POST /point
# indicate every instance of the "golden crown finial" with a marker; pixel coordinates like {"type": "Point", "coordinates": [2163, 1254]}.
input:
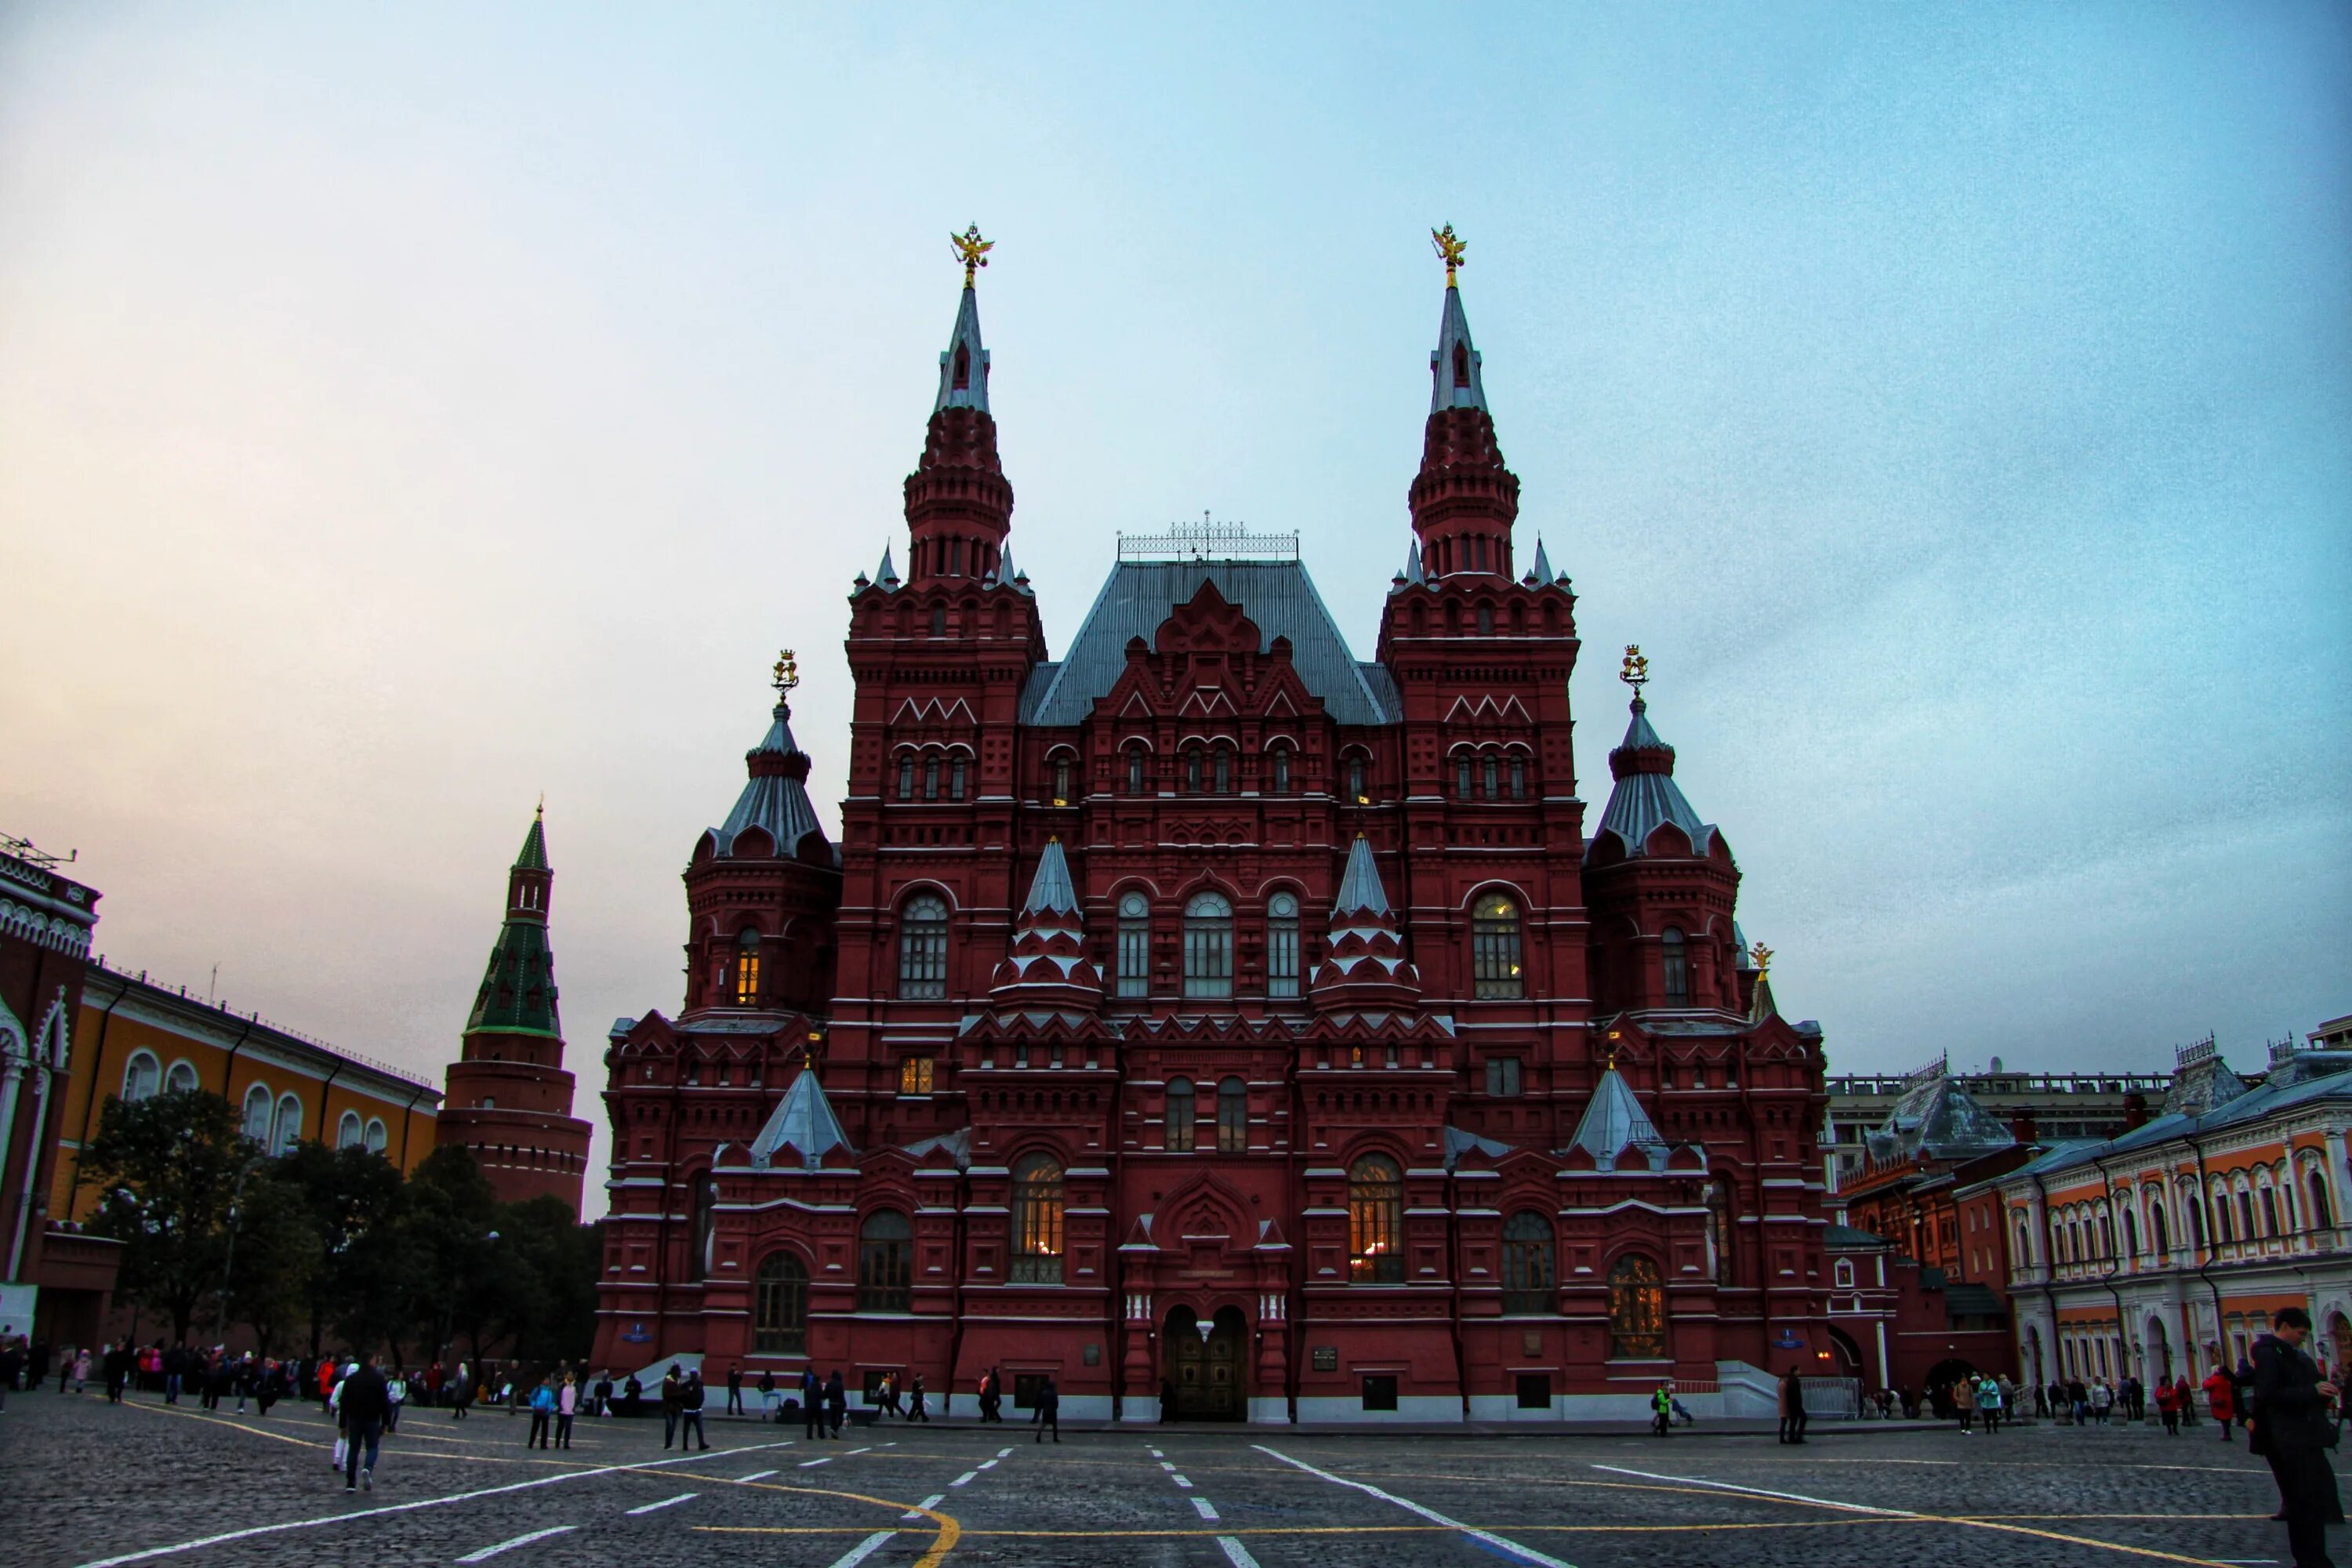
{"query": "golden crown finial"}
{"type": "Point", "coordinates": [787, 674]}
{"type": "Point", "coordinates": [1763, 958]}
{"type": "Point", "coordinates": [1635, 672]}
{"type": "Point", "coordinates": [1450, 248]}
{"type": "Point", "coordinates": [971, 251]}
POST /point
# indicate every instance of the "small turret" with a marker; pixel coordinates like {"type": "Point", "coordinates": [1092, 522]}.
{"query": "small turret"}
{"type": "Point", "coordinates": [1048, 966]}
{"type": "Point", "coordinates": [1364, 966]}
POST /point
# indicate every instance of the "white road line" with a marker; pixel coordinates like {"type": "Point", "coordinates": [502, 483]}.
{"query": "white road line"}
{"type": "Point", "coordinates": [487, 1553]}
{"type": "Point", "coordinates": [1002, 1453]}
{"type": "Point", "coordinates": [813, 1464]}
{"type": "Point", "coordinates": [988, 1464]}
{"type": "Point", "coordinates": [666, 1502]}
{"type": "Point", "coordinates": [964, 1479]}
{"type": "Point", "coordinates": [754, 1476]}
{"type": "Point", "coordinates": [864, 1549]}
{"type": "Point", "coordinates": [1208, 1511]}
{"type": "Point", "coordinates": [855, 1452]}
{"type": "Point", "coordinates": [1182, 1482]}
{"type": "Point", "coordinates": [1763, 1492]}
{"type": "Point", "coordinates": [931, 1501]}
{"type": "Point", "coordinates": [248, 1533]}
{"type": "Point", "coordinates": [1166, 1466]}
{"type": "Point", "coordinates": [1157, 1455]}
{"type": "Point", "coordinates": [1236, 1554]}
{"type": "Point", "coordinates": [1501, 1543]}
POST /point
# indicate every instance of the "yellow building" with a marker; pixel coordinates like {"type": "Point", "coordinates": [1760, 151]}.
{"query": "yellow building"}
{"type": "Point", "coordinates": [134, 1039]}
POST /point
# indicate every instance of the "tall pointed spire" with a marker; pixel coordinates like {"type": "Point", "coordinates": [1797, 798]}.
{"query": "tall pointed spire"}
{"type": "Point", "coordinates": [1614, 1121]}
{"type": "Point", "coordinates": [803, 1124]}
{"type": "Point", "coordinates": [963, 365]}
{"type": "Point", "coordinates": [958, 506]}
{"type": "Point", "coordinates": [517, 994]}
{"type": "Point", "coordinates": [1047, 966]}
{"type": "Point", "coordinates": [1453, 380]}
{"type": "Point", "coordinates": [1364, 966]}
{"type": "Point", "coordinates": [1646, 797]}
{"type": "Point", "coordinates": [1464, 500]}
{"type": "Point", "coordinates": [774, 799]}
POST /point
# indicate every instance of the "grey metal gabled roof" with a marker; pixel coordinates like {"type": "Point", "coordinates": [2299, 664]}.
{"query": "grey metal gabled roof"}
{"type": "Point", "coordinates": [803, 1122]}
{"type": "Point", "coordinates": [1646, 797]}
{"type": "Point", "coordinates": [1277, 595]}
{"type": "Point", "coordinates": [1936, 1118]}
{"type": "Point", "coordinates": [1613, 1120]}
{"type": "Point", "coordinates": [776, 802]}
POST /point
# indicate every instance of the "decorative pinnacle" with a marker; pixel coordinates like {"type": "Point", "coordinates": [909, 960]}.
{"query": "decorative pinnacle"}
{"type": "Point", "coordinates": [1762, 956]}
{"type": "Point", "coordinates": [1449, 250]}
{"type": "Point", "coordinates": [971, 251]}
{"type": "Point", "coordinates": [1636, 670]}
{"type": "Point", "coordinates": [787, 674]}
{"type": "Point", "coordinates": [543, 806]}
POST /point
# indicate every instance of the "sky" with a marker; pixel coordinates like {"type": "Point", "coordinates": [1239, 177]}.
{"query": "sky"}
{"type": "Point", "coordinates": [407, 410]}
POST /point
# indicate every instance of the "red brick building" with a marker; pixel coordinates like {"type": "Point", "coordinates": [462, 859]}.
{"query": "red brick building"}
{"type": "Point", "coordinates": [1208, 1011]}
{"type": "Point", "coordinates": [507, 1097]}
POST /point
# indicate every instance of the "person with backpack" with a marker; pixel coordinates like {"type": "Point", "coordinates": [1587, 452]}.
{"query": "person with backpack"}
{"type": "Point", "coordinates": [542, 1414]}
{"type": "Point", "coordinates": [689, 1412]}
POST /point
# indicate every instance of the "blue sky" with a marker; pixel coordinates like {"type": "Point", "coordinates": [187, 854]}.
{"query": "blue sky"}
{"type": "Point", "coordinates": [406, 410]}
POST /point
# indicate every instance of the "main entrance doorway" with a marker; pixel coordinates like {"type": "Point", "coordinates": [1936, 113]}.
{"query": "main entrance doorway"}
{"type": "Point", "coordinates": [1207, 1370]}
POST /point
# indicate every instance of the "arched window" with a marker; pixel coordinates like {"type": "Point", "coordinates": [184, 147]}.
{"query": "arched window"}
{"type": "Point", "coordinates": [1495, 947]}
{"type": "Point", "coordinates": [2246, 1231]}
{"type": "Point", "coordinates": [286, 1129]}
{"type": "Point", "coordinates": [2270, 1213]}
{"type": "Point", "coordinates": [1518, 778]}
{"type": "Point", "coordinates": [1181, 1111]}
{"type": "Point", "coordinates": [1461, 363]}
{"type": "Point", "coordinates": [257, 1103]}
{"type": "Point", "coordinates": [348, 1132]}
{"type": "Point", "coordinates": [938, 622]}
{"type": "Point", "coordinates": [962, 367]}
{"type": "Point", "coordinates": [779, 1305]}
{"type": "Point", "coordinates": [2131, 1235]}
{"type": "Point", "coordinates": [1192, 769]}
{"type": "Point", "coordinates": [181, 1079]}
{"type": "Point", "coordinates": [1486, 612]}
{"type": "Point", "coordinates": [907, 776]}
{"type": "Point", "coordinates": [930, 778]}
{"type": "Point", "coordinates": [1064, 775]}
{"type": "Point", "coordinates": [1637, 1310]}
{"type": "Point", "coordinates": [1135, 770]}
{"type": "Point", "coordinates": [1233, 1117]}
{"type": "Point", "coordinates": [1280, 783]}
{"type": "Point", "coordinates": [923, 948]}
{"type": "Point", "coordinates": [1528, 1277]}
{"type": "Point", "coordinates": [2158, 1232]}
{"type": "Point", "coordinates": [955, 777]}
{"type": "Point", "coordinates": [884, 1252]}
{"type": "Point", "coordinates": [1677, 966]}
{"type": "Point", "coordinates": [1225, 770]}
{"type": "Point", "coordinates": [141, 1077]}
{"type": "Point", "coordinates": [1356, 792]}
{"type": "Point", "coordinates": [1208, 946]}
{"type": "Point", "coordinates": [1375, 1221]}
{"type": "Point", "coordinates": [1134, 945]}
{"type": "Point", "coordinates": [2321, 1211]}
{"type": "Point", "coordinates": [376, 1138]}
{"type": "Point", "coordinates": [1037, 1221]}
{"type": "Point", "coordinates": [1462, 786]}
{"type": "Point", "coordinates": [1492, 765]}
{"type": "Point", "coordinates": [747, 968]}
{"type": "Point", "coordinates": [1282, 946]}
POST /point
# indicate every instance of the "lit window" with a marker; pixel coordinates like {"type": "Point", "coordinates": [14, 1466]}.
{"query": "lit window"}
{"type": "Point", "coordinates": [747, 969]}
{"type": "Point", "coordinates": [885, 1253]}
{"type": "Point", "coordinates": [1233, 1117]}
{"type": "Point", "coordinates": [1637, 1310]}
{"type": "Point", "coordinates": [1282, 946]}
{"type": "Point", "coordinates": [1495, 948]}
{"type": "Point", "coordinates": [1134, 945]}
{"type": "Point", "coordinates": [915, 1075]}
{"type": "Point", "coordinates": [1208, 946]}
{"type": "Point", "coordinates": [1676, 966]}
{"type": "Point", "coordinates": [1061, 781]}
{"type": "Point", "coordinates": [1183, 1110]}
{"type": "Point", "coordinates": [1375, 1221]}
{"type": "Point", "coordinates": [1037, 1221]}
{"type": "Point", "coordinates": [923, 948]}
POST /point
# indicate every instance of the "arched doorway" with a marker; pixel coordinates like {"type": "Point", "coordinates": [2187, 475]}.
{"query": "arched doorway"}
{"type": "Point", "coordinates": [1940, 1379]}
{"type": "Point", "coordinates": [2158, 1351]}
{"type": "Point", "coordinates": [1849, 1356]}
{"type": "Point", "coordinates": [1207, 1370]}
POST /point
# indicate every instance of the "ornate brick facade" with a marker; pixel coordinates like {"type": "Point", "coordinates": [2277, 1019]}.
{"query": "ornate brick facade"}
{"type": "Point", "coordinates": [1210, 1014]}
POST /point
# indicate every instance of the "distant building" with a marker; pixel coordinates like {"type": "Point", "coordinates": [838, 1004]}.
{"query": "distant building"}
{"type": "Point", "coordinates": [46, 919]}
{"type": "Point", "coordinates": [509, 1098]}
{"type": "Point", "coordinates": [2046, 1107]}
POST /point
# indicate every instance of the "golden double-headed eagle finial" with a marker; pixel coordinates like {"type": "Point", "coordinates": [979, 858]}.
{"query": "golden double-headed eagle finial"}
{"type": "Point", "coordinates": [1635, 672]}
{"type": "Point", "coordinates": [1762, 958]}
{"type": "Point", "coordinates": [971, 251]}
{"type": "Point", "coordinates": [787, 673]}
{"type": "Point", "coordinates": [1450, 248]}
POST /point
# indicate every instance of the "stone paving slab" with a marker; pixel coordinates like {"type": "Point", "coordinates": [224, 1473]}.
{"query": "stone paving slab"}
{"type": "Point", "coordinates": [88, 1483]}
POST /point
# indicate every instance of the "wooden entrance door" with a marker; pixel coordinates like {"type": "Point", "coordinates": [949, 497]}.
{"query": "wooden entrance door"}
{"type": "Point", "coordinates": [1208, 1375]}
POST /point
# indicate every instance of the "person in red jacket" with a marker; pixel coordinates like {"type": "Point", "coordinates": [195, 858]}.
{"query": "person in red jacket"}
{"type": "Point", "coordinates": [2168, 1408]}
{"type": "Point", "coordinates": [2221, 1393]}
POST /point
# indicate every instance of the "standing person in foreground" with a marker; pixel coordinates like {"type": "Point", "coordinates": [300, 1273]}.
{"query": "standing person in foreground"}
{"type": "Point", "coordinates": [672, 1389]}
{"type": "Point", "coordinates": [689, 1411]}
{"type": "Point", "coordinates": [543, 1413]}
{"type": "Point", "coordinates": [2291, 1427]}
{"type": "Point", "coordinates": [1792, 1408]}
{"type": "Point", "coordinates": [567, 1405]}
{"type": "Point", "coordinates": [735, 1389]}
{"type": "Point", "coordinates": [2221, 1393]}
{"type": "Point", "coordinates": [1049, 1409]}
{"type": "Point", "coordinates": [365, 1404]}
{"type": "Point", "coordinates": [811, 1403]}
{"type": "Point", "coordinates": [837, 1403]}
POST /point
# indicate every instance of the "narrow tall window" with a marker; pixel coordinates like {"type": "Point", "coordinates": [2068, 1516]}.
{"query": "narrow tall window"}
{"type": "Point", "coordinates": [1518, 778]}
{"type": "Point", "coordinates": [1181, 1112]}
{"type": "Point", "coordinates": [1494, 789]}
{"type": "Point", "coordinates": [1037, 1221]}
{"type": "Point", "coordinates": [1225, 770]}
{"type": "Point", "coordinates": [906, 777]}
{"type": "Point", "coordinates": [1356, 791]}
{"type": "Point", "coordinates": [1208, 946]}
{"type": "Point", "coordinates": [286, 1129]}
{"type": "Point", "coordinates": [1281, 782]}
{"type": "Point", "coordinates": [1460, 364]}
{"type": "Point", "coordinates": [779, 1305]}
{"type": "Point", "coordinates": [1192, 770]}
{"type": "Point", "coordinates": [1135, 770]}
{"type": "Point", "coordinates": [1134, 945]}
{"type": "Point", "coordinates": [1495, 948]}
{"type": "Point", "coordinates": [1375, 1221]}
{"type": "Point", "coordinates": [939, 620]}
{"type": "Point", "coordinates": [1527, 1263]}
{"type": "Point", "coordinates": [2158, 1232]}
{"type": "Point", "coordinates": [1462, 786]}
{"type": "Point", "coordinates": [962, 368]}
{"type": "Point", "coordinates": [955, 779]}
{"type": "Point", "coordinates": [1486, 612]}
{"type": "Point", "coordinates": [923, 948]}
{"type": "Point", "coordinates": [886, 1245]}
{"type": "Point", "coordinates": [2321, 1211]}
{"type": "Point", "coordinates": [1282, 946]}
{"type": "Point", "coordinates": [1637, 1310]}
{"type": "Point", "coordinates": [1677, 967]}
{"type": "Point", "coordinates": [1062, 774]}
{"type": "Point", "coordinates": [930, 778]}
{"type": "Point", "coordinates": [747, 969]}
{"type": "Point", "coordinates": [1233, 1117]}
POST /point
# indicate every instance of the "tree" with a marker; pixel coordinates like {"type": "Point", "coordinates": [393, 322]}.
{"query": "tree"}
{"type": "Point", "coordinates": [168, 1168]}
{"type": "Point", "coordinates": [446, 1254]}
{"type": "Point", "coordinates": [558, 1259]}
{"type": "Point", "coordinates": [349, 1197]}
{"type": "Point", "coordinates": [273, 1259]}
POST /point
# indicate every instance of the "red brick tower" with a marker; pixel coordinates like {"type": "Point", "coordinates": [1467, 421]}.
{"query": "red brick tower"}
{"type": "Point", "coordinates": [509, 1098]}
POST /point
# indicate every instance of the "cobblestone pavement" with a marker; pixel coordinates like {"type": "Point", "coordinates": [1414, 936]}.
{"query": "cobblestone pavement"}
{"type": "Point", "coordinates": [86, 1483]}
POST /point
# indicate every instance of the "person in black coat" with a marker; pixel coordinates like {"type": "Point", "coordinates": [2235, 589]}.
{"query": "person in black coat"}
{"type": "Point", "coordinates": [1049, 1409]}
{"type": "Point", "coordinates": [2292, 1426]}
{"type": "Point", "coordinates": [837, 1403]}
{"type": "Point", "coordinates": [365, 1405]}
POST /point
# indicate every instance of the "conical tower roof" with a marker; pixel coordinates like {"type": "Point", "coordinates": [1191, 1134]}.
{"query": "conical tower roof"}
{"type": "Point", "coordinates": [803, 1124]}
{"type": "Point", "coordinates": [1364, 964]}
{"type": "Point", "coordinates": [1646, 797]}
{"type": "Point", "coordinates": [1614, 1121]}
{"type": "Point", "coordinates": [1359, 885]}
{"type": "Point", "coordinates": [963, 365]}
{"type": "Point", "coordinates": [517, 995]}
{"type": "Point", "coordinates": [1050, 889]}
{"type": "Point", "coordinates": [1047, 966]}
{"type": "Point", "coordinates": [1454, 364]}
{"type": "Point", "coordinates": [775, 796]}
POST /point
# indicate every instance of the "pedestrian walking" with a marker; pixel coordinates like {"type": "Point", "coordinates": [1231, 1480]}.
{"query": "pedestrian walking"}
{"type": "Point", "coordinates": [1792, 1408]}
{"type": "Point", "coordinates": [836, 1404]}
{"type": "Point", "coordinates": [365, 1404]}
{"type": "Point", "coordinates": [2103, 1399]}
{"type": "Point", "coordinates": [2291, 1427]}
{"type": "Point", "coordinates": [1991, 1403]}
{"type": "Point", "coordinates": [2167, 1409]}
{"type": "Point", "coordinates": [2184, 1399]}
{"type": "Point", "coordinates": [992, 1396]}
{"type": "Point", "coordinates": [673, 1401]}
{"type": "Point", "coordinates": [915, 1410]}
{"type": "Point", "coordinates": [812, 1405]}
{"type": "Point", "coordinates": [542, 1414]}
{"type": "Point", "coordinates": [1049, 1409]}
{"type": "Point", "coordinates": [735, 1389]}
{"type": "Point", "coordinates": [689, 1412]}
{"type": "Point", "coordinates": [567, 1405]}
{"type": "Point", "coordinates": [1964, 1400]}
{"type": "Point", "coordinates": [2221, 1396]}
{"type": "Point", "coordinates": [767, 1395]}
{"type": "Point", "coordinates": [81, 1370]}
{"type": "Point", "coordinates": [604, 1406]}
{"type": "Point", "coordinates": [1662, 1410]}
